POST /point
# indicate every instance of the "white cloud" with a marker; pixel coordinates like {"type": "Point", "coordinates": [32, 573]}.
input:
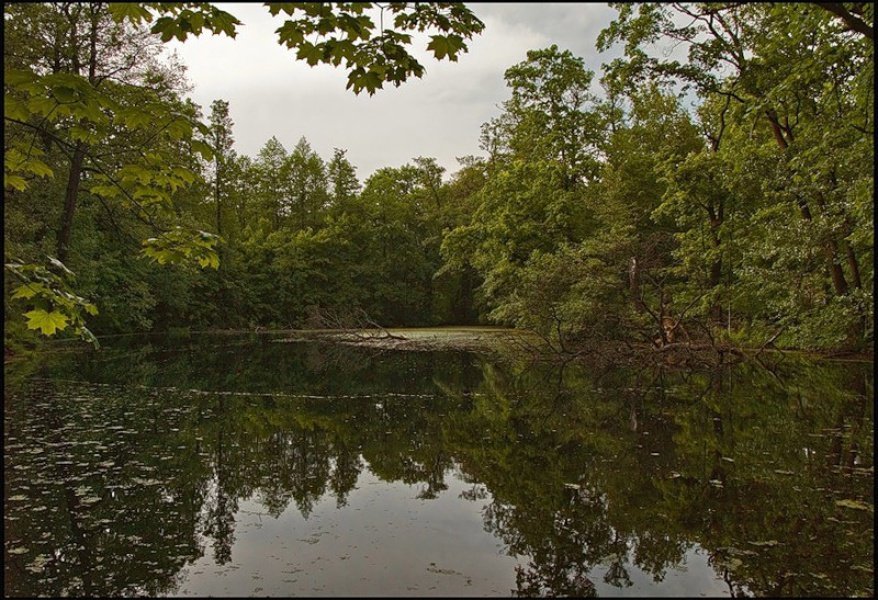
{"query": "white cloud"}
{"type": "Point", "coordinates": [271, 93]}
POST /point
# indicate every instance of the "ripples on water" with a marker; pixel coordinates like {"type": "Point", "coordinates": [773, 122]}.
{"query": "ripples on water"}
{"type": "Point", "coordinates": [231, 465]}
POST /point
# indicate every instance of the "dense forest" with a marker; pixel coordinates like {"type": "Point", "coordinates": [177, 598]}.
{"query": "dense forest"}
{"type": "Point", "coordinates": [726, 198]}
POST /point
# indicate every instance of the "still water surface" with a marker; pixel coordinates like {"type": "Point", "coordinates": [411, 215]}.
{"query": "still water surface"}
{"type": "Point", "coordinates": [234, 465]}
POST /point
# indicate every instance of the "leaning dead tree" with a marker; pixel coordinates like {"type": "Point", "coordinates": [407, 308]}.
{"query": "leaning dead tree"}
{"type": "Point", "coordinates": [354, 322]}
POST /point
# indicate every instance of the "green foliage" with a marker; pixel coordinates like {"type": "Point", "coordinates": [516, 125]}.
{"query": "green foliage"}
{"type": "Point", "coordinates": [53, 306]}
{"type": "Point", "coordinates": [178, 244]}
{"type": "Point", "coordinates": [348, 37]}
{"type": "Point", "coordinates": [531, 206]}
{"type": "Point", "coordinates": [75, 108]}
{"type": "Point", "coordinates": [567, 295]}
{"type": "Point", "coordinates": [46, 322]}
{"type": "Point", "coordinates": [747, 219]}
{"type": "Point", "coordinates": [768, 227]}
{"type": "Point", "coordinates": [76, 112]}
{"type": "Point", "coordinates": [339, 33]}
{"type": "Point", "coordinates": [178, 20]}
{"type": "Point", "coordinates": [17, 165]}
{"type": "Point", "coordinates": [342, 179]}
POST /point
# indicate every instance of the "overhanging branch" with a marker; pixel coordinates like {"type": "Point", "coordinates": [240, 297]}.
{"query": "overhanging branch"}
{"type": "Point", "coordinates": [853, 23]}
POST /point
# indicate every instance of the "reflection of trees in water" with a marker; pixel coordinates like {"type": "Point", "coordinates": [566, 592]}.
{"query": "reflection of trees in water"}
{"type": "Point", "coordinates": [85, 537]}
{"type": "Point", "coordinates": [559, 520]}
{"type": "Point", "coordinates": [345, 471]}
{"type": "Point", "coordinates": [222, 504]}
{"type": "Point", "coordinates": [583, 472]}
{"type": "Point", "coordinates": [295, 465]}
{"type": "Point", "coordinates": [710, 484]}
{"type": "Point", "coordinates": [220, 522]}
{"type": "Point", "coordinates": [561, 550]}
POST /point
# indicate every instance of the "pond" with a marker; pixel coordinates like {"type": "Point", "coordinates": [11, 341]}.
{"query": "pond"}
{"type": "Point", "coordinates": [219, 464]}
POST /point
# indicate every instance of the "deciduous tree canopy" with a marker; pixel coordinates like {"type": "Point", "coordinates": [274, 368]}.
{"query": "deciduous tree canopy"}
{"type": "Point", "coordinates": [723, 197]}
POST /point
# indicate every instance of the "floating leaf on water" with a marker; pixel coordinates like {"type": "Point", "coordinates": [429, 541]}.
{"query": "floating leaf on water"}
{"type": "Point", "coordinates": [38, 563]}
{"type": "Point", "coordinates": [732, 563]}
{"type": "Point", "coordinates": [736, 551]}
{"type": "Point", "coordinates": [855, 504]}
{"type": "Point", "coordinates": [728, 459]}
{"type": "Point", "coordinates": [19, 550]}
{"type": "Point", "coordinates": [139, 481]}
{"type": "Point", "coordinates": [18, 497]}
{"type": "Point", "coordinates": [767, 543]}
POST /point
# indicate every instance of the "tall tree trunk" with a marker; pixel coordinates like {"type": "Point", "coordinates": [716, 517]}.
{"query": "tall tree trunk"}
{"type": "Point", "coordinates": [74, 177]}
{"type": "Point", "coordinates": [716, 218]}
{"type": "Point", "coordinates": [830, 246]}
{"type": "Point", "coordinates": [70, 194]}
{"type": "Point", "coordinates": [716, 270]}
{"type": "Point", "coordinates": [854, 266]}
{"type": "Point", "coordinates": [216, 195]}
{"type": "Point", "coordinates": [838, 279]}
{"type": "Point", "coordinates": [853, 263]}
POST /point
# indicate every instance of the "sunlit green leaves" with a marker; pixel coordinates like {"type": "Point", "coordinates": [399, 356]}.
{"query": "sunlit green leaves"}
{"type": "Point", "coordinates": [74, 114]}
{"type": "Point", "coordinates": [15, 182]}
{"type": "Point", "coordinates": [20, 162]}
{"type": "Point", "coordinates": [53, 306]}
{"type": "Point", "coordinates": [46, 322]}
{"type": "Point", "coordinates": [28, 291]}
{"type": "Point", "coordinates": [180, 244]}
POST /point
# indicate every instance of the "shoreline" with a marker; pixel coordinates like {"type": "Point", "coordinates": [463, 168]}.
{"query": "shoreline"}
{"type": "Point", "coordinates": [467, 338]}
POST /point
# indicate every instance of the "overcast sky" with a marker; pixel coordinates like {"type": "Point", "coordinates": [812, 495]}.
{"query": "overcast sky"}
{"type": "Point", "coordinates": [439, 115]}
